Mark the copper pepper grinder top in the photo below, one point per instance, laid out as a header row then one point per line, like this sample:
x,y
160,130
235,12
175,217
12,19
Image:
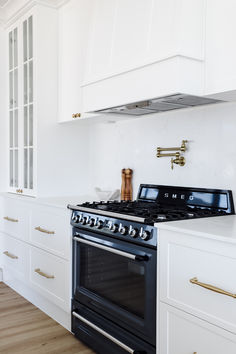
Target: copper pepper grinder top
x,y
126,187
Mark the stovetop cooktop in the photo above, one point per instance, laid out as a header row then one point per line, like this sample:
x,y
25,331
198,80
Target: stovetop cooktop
x,y
157,203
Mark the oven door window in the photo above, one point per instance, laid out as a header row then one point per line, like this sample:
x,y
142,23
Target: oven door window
x,y
115,278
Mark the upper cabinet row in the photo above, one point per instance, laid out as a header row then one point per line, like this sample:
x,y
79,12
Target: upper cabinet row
x,y
114,52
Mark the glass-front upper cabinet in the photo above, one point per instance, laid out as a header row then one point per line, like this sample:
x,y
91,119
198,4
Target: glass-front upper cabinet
x,y
21,108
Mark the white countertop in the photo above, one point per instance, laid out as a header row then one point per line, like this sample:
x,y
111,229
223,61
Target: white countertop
x,y
219,227
58,202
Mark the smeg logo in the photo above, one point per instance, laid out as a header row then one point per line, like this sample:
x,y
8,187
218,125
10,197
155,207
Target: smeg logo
x,y
178,196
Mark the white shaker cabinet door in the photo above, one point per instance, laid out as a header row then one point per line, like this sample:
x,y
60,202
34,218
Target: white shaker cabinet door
x,y
181,333
74,20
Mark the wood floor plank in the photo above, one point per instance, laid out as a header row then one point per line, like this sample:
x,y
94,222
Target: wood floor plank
x,y
24,329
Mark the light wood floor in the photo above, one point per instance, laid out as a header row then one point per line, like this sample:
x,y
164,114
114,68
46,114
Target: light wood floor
x,y
26,329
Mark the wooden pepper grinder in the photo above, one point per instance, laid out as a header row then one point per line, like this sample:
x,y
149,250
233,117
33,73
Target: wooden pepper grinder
x,y
126,187
122,184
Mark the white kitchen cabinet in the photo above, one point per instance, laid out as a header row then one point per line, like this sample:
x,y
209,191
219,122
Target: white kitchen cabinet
x,y
181,333
15,257
49,276
196,283
143,49
184,258
21,107
14,219
49,230
220,51
35,249
74,20
32,68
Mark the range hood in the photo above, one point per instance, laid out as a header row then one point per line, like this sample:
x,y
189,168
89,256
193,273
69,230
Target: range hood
x,y
161,104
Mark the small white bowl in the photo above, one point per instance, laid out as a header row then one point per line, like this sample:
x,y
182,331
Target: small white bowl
x,y
107,195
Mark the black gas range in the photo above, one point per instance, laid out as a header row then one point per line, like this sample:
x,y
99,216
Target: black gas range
x,y
114,263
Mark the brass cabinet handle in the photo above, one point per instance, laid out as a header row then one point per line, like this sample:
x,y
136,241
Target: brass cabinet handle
x,y
211,287
45,275
40,229
76,115
19,190
10,255
10,219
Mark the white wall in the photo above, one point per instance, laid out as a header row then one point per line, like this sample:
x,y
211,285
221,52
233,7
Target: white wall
x,y
210,159
3,113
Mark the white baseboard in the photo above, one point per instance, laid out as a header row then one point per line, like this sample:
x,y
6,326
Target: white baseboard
x,y
1,275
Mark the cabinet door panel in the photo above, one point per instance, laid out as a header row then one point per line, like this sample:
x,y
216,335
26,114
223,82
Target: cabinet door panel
x,y
15,256
74,20
181,333
185,258
49,275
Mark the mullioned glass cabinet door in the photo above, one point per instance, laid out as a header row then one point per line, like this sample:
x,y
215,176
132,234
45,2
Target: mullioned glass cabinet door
x,y
21,108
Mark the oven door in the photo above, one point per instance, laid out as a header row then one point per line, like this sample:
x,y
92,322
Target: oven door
x,y
117,280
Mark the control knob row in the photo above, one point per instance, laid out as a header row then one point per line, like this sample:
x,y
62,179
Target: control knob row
x,y
86,220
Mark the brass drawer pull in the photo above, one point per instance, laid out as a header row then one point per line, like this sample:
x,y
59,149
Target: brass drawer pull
x,y
211,287
76,115
38,228
10,219
10,255
45,275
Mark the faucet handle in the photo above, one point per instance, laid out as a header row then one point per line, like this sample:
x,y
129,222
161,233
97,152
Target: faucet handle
x,y
183,145
180,160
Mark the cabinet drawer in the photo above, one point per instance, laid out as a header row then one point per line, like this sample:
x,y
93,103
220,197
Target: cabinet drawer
x,y
50,276
14,219
184,258
14,257
181,333
51,230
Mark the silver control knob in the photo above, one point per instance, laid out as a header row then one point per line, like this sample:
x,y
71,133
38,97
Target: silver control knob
x,y
99,224
145,235
123,229
91,222
113,227
133,232
84,220
75,218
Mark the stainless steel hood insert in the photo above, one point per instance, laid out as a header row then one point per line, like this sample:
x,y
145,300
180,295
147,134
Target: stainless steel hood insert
x,y
161,104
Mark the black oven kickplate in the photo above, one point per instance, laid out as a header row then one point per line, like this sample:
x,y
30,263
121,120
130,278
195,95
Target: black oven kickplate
x,y
99,343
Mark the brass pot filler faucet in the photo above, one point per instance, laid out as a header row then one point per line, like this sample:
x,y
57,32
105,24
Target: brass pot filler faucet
x,y
178,160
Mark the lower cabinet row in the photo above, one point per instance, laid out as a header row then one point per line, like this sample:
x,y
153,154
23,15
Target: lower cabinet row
x,y
45,273
181,333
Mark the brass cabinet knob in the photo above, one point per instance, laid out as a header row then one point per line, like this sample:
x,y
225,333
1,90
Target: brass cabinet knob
x,y
19,190
76,115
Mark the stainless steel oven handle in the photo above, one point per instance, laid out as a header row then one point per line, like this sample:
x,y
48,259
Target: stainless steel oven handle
x,y
105,334
135,257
